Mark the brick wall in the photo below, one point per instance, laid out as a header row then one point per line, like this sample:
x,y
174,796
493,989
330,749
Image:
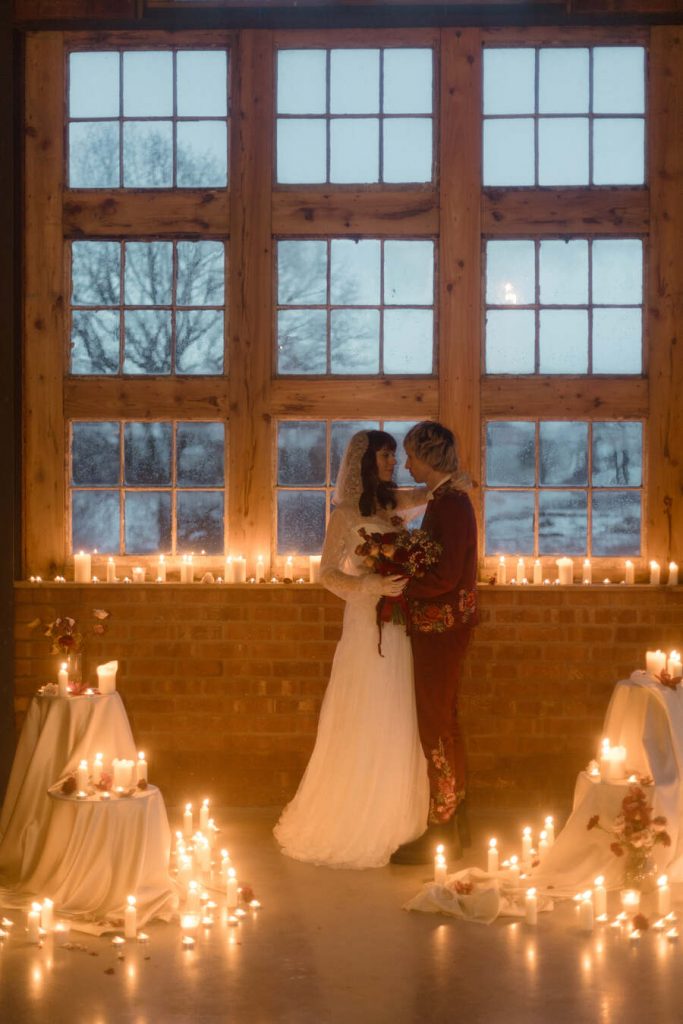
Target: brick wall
x,y
223,685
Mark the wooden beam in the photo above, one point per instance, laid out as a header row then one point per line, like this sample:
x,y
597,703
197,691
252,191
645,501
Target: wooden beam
x,y
395,212
564,397
388,398
44,10
363,37
565,211
571,35
193,213
149,398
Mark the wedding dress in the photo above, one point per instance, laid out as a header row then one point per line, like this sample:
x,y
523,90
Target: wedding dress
x,y
365,790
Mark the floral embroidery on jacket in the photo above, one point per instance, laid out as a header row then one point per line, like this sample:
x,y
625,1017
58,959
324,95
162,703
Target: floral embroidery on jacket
x,y
432,618
467,605
444,801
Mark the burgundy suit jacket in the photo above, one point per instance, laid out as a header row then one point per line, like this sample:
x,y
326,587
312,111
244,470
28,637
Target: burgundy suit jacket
x,y
445,598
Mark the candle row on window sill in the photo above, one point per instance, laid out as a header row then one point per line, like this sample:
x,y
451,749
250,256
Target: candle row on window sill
x,y
565,573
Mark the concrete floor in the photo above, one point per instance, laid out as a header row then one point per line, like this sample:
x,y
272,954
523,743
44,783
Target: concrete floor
x,y
331,947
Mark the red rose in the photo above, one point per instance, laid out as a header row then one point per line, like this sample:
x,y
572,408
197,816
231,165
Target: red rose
x,y
593,822
641,922
616,849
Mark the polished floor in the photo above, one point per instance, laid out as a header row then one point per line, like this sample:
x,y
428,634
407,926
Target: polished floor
x,y
331,947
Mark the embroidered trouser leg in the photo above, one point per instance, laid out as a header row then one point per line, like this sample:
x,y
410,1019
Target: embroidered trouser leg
x,y
438,659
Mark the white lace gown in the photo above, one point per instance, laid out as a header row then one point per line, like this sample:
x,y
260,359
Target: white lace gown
x,y
365,790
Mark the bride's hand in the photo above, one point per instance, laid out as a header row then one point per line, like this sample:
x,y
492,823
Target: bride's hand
x,y
384,586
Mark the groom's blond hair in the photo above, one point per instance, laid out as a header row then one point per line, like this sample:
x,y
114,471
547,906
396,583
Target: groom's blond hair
x,y
434,444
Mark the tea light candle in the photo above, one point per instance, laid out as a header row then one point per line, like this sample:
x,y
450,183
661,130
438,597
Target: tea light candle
x,y
672,935
82,570
111,570
586,913
33,922
141,767
47,918
63,679
138,574
599,896
655,662
630,900
440,869
493,857
526,846
82,775
188,942
502,573
550,829
97,769
674,666
538,573
565,571
531,908
314,568
187,821
231,887
204,816
655,574
629,571
663,896
521,570
586,571
673,574
161,569
130,919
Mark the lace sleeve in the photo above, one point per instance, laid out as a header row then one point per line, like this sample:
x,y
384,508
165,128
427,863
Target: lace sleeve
x,y
343,584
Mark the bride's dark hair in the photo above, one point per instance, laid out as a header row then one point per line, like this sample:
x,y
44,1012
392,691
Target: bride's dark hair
x,y
376,492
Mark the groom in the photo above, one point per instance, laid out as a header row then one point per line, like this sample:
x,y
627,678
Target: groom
x,y
443,605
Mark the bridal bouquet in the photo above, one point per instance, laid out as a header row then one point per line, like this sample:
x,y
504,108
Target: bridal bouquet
x,y
635,832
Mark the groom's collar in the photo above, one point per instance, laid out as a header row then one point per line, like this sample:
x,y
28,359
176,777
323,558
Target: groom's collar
x,y
430,494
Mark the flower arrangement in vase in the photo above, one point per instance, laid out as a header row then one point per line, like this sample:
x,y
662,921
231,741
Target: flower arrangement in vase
x,y
635,832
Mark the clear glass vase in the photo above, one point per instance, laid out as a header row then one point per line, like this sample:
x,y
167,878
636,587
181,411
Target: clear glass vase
x,y
74,665
639,871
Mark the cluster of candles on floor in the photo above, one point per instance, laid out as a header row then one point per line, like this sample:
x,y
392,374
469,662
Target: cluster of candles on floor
x,y
40,923
125,774
565,572
516,868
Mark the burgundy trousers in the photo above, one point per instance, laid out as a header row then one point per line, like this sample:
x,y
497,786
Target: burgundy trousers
x,y
438,659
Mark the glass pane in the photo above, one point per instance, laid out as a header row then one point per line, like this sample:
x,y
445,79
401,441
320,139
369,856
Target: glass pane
x,y
200,516
407,149
95,521
147,517
147,154
147,341
616,523
563,341
354,81
618,271
562,522
147,83
619,80
199,341
563,272
302,273
301,87
94,341
301,453
407,81
354,341
510,341
201,274
563,453
94,154
341,432
619,151
93,85
149,273
617,341
302,341
95,273
202,83
301,152
509,152
147,453
510,453
563,81
200,455
409,273
408,340
355,272
617,454
354,150
509,81
509,522
300,522
563,151
95,453
202,154
510,273
399,429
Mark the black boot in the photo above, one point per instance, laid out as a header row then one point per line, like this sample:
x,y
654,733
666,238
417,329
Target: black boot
x,y
422,850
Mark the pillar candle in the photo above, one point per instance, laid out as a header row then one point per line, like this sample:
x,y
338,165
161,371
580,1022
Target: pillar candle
x,y
111,570
186,569
565,571
604,759
33,922
260,568
138,574
586,913
543,845
231,894
229,571
141,767
187,821
674,666
289,567
655,574
193,904
531,908
655,662
161,569
106,677
538,573
587,571
629,571
204,816
514,869
82,775
599,896
240,569
440,869
521,570
526,847
47,918
673,574
97,769
663,896
82,567
502,575
314,568
184,871
493,857
617,757
550,829
63,679
130,919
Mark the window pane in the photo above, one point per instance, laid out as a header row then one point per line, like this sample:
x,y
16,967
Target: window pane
x,y
199,341
509,81
616,523
354,150
563,151
563,455
509,522
509,152
617,454
147,154
510,273
147,84
617,341
563,81
95,453
408,341
202,83
94,154
510,453
341,432
300,521
95,521
301,151
563,271
93,85
301,453
409,273
355,272
510,341
618,271
94,341
200,454
147,516
149,273
147,453
200,521
407,149
301,85
407,81
399,429
95,273
562,522
302,273
354,340
619,80
201,274
302,341
619,151
563,341
148,341
354,81
202,154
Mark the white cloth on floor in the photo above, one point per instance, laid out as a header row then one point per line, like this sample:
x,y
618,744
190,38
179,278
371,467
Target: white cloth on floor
x,y
491,896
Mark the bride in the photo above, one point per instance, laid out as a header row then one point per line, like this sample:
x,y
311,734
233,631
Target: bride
x,y
365,790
